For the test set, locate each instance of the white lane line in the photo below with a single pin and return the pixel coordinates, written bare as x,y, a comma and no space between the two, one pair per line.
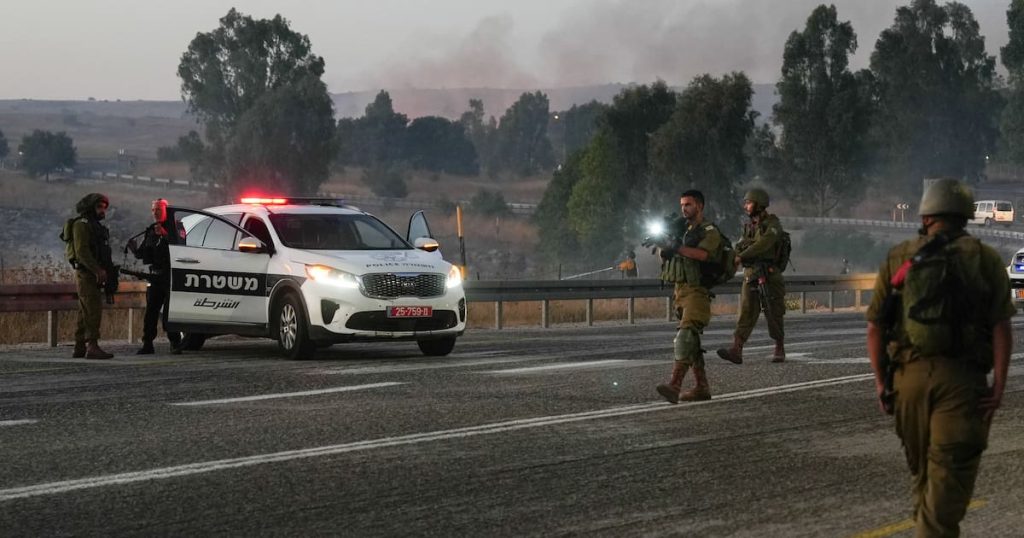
585,364
17,422
53,488
289,394
423,365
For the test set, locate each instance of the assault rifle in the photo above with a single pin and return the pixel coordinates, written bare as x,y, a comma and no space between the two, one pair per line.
141,275
110,284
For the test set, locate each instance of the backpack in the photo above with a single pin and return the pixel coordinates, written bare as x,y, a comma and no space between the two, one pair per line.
783,251
937,316
67,236
721,269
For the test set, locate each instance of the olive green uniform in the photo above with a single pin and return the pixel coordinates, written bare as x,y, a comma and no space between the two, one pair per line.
757,250
692,298
89,240
940,375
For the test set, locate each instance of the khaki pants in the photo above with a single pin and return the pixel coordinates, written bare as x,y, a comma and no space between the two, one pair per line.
750,307
90,307
943,435
694,307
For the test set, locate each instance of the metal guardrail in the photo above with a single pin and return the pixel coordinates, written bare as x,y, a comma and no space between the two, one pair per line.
545,291
56,297
977,231
62,296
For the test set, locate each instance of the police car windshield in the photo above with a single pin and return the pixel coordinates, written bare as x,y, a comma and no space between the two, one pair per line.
336,232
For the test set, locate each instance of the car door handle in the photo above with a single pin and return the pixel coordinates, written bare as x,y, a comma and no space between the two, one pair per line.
186,260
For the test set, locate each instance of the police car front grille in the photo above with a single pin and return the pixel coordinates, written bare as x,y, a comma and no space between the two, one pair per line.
391,285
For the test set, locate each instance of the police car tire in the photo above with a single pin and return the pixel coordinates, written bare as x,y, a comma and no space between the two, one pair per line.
192,341
291,328
437,348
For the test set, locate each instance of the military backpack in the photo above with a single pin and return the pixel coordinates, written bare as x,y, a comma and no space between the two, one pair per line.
67,235
721,268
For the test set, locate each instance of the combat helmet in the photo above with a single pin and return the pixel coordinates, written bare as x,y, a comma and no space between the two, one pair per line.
947,197
758,196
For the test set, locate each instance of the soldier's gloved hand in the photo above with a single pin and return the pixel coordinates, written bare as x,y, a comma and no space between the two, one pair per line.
133,245
101,276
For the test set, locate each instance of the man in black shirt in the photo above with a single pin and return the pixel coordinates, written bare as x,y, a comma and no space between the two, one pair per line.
153,251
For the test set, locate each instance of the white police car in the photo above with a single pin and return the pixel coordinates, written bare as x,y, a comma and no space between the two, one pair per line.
309,273
1016,272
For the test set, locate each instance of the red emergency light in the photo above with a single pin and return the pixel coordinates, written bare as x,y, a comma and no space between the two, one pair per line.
264,201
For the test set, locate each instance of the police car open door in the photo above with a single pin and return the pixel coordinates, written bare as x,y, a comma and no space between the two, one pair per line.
217,278
418,234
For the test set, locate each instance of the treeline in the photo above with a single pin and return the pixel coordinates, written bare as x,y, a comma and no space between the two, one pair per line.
929,105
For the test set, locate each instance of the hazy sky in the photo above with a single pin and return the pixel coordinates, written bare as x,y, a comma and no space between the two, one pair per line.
129,49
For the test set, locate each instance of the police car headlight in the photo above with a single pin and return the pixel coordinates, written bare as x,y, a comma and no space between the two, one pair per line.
332,276
454,277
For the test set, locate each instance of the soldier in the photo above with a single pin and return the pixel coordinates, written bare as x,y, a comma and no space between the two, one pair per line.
91,257
153,250
937,324
700,242
628,266
757,251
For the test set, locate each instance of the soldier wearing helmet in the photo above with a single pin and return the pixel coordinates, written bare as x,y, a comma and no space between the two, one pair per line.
89,253
758,252
939,321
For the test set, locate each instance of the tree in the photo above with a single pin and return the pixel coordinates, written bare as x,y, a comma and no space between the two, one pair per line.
191,149
245,81
522,143
44,152
482,134
702,144
439,145
571,130
557,240
1012,55
824,113
937,103
635,114
378,137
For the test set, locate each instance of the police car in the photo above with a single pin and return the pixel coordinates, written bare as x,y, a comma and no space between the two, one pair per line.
310,272
1016,271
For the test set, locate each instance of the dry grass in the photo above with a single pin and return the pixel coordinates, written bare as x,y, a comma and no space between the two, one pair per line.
24,327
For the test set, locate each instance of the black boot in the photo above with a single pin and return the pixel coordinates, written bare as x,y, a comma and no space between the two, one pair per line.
146,349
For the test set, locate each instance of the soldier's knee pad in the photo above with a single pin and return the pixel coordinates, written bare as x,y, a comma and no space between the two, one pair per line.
687,344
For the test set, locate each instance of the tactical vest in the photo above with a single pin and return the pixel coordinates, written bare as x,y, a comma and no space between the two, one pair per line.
683,270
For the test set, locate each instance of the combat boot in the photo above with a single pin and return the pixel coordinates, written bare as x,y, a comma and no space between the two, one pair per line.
146,349
733,354
780,352
701,391
93,351
79,351
670,390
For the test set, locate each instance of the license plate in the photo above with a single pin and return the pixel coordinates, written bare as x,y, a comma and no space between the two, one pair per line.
1018,293
410,311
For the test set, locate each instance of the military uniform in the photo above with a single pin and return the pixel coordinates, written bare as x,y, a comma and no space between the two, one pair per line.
941,346
692,303
757,251
91,255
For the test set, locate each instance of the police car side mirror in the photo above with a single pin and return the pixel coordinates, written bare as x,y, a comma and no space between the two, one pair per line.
251,246
426,243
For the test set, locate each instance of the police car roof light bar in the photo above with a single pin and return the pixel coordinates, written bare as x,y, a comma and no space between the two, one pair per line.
339,202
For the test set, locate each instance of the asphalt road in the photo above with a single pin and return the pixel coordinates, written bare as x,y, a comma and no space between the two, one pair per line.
517,433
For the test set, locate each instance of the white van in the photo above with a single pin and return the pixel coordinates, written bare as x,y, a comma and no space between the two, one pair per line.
989,212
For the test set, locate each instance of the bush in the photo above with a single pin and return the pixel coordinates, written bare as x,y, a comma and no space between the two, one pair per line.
491,203
386,181
858,247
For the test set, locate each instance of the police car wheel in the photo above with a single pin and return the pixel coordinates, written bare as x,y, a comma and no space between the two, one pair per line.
292,335
988,222
437,348
192,341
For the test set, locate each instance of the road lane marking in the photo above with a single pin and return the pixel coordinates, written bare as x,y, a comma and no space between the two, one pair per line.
17,422
290,394
562,366
421,365
53,488
907,524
